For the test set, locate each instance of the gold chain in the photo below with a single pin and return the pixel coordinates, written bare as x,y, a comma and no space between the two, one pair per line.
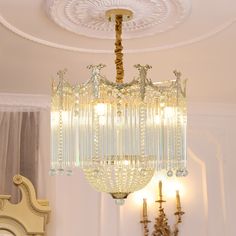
118,50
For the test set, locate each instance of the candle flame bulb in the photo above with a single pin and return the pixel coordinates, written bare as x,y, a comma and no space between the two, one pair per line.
178,200
160,190
144,207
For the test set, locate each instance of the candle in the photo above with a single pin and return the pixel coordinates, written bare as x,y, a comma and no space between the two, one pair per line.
178,200
144,207
160,190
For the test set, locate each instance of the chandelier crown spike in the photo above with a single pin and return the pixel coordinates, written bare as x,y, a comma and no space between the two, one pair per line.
95,69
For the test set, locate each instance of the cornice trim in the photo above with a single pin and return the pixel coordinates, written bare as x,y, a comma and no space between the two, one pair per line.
23,102
44,42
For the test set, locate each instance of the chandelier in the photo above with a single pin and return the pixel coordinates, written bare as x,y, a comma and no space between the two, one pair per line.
119,133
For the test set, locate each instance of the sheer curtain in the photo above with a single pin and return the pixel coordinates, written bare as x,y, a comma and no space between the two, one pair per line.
19,138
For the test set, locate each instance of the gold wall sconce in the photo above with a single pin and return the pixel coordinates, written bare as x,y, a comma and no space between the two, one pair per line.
161,226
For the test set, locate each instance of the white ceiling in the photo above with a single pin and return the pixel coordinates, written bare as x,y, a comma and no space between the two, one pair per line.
33,48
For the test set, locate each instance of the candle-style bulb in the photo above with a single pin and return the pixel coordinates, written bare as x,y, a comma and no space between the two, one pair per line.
144,207
178,204
160,190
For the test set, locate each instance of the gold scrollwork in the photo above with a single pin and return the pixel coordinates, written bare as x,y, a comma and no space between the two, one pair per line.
17,179
2,204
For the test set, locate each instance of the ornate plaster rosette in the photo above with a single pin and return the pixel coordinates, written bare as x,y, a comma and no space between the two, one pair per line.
87,17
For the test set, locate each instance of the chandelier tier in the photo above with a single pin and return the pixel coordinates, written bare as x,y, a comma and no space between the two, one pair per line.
119,133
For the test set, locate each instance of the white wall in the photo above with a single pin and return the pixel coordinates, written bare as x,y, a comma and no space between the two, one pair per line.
208,193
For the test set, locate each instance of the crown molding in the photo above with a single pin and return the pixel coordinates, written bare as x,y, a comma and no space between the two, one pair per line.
16,101
44,42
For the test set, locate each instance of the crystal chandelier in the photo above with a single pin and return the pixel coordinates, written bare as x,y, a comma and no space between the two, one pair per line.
119,133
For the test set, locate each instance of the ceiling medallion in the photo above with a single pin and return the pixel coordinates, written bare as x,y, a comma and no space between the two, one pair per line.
87,18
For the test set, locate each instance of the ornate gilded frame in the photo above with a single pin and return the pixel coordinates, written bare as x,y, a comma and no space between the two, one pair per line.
29,216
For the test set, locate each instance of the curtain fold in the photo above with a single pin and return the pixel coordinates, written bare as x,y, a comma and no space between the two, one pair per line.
19,138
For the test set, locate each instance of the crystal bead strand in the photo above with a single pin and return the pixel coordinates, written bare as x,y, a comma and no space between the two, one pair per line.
96,135
142,129
60,168
178,143
60,144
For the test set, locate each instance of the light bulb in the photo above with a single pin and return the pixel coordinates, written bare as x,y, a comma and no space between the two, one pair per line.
101,109
126,162
169,112
157,119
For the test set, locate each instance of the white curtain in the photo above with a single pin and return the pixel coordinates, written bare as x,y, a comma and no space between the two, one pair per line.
19,138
